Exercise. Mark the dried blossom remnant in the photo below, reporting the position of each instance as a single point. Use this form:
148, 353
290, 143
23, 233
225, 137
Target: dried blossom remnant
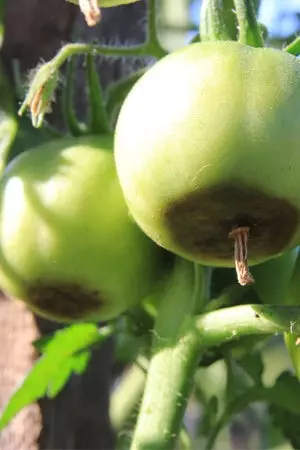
36, 102
41, 93
240, 236
91, 11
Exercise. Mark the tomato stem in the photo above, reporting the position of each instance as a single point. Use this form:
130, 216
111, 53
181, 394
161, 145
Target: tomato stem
175, 357
232, 323
152, 41
249, 30
98, 115
71, 121
218, 21
240, 236
126, 397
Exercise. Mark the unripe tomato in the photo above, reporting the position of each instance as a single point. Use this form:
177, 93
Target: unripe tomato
68, 246
207, 141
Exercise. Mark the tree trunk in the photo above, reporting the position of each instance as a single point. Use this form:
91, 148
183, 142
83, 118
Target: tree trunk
78, 418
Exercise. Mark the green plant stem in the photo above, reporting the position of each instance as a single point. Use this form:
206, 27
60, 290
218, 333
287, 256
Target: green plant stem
294, 47
72, 123
217, 21
249, 30
228, 324
105, 50
126, 396
185, 440
152, 41
98, 122
175, 356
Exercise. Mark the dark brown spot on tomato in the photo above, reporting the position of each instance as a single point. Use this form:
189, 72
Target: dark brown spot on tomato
64, 300
201, 221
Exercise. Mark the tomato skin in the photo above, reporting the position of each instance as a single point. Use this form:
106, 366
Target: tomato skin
214, 116
65, 230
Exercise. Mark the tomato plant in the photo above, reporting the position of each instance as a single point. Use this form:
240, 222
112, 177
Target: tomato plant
183, 171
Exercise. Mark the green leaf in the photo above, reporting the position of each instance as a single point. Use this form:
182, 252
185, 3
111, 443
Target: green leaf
64, 354
252, 364
210, 413
293, 348
75, 364
284, 419
294, 47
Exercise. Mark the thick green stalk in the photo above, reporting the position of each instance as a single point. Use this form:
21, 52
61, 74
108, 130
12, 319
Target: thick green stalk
249, 30
232, 323
126, 397
175, 358
218, 21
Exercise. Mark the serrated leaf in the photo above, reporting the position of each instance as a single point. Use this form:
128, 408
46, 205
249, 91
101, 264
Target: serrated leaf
75, 364
62, 356
41, 344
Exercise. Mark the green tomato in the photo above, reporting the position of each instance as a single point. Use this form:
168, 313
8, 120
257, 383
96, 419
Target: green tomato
207, 141
68, 246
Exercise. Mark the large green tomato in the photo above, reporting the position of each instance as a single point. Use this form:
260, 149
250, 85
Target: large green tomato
68, 246
207, 141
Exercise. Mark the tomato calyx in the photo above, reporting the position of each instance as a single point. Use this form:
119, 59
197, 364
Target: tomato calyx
240, 236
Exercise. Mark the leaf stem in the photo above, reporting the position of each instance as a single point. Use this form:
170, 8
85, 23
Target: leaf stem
249, 30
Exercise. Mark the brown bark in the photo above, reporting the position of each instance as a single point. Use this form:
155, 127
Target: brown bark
78, 417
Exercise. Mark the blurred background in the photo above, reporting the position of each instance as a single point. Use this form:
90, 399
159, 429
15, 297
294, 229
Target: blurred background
180, 18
